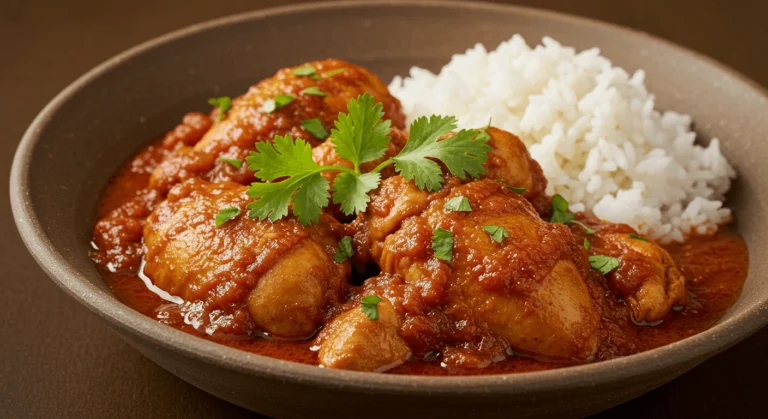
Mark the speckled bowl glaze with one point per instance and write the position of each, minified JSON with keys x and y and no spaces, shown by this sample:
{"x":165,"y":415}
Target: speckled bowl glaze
{"x":80,"y":138}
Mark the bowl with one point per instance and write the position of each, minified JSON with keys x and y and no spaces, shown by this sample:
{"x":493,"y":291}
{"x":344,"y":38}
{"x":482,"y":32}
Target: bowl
{"x":79,"y":139}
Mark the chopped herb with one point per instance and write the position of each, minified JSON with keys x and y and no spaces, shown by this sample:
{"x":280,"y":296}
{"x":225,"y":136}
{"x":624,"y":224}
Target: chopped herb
{"x":369,"y":305}
{"x":313,"y":91}
{"x":586,"y":244}
{"x":482,"y":134}
{"x":270,"y":105}
{"x":560,"y":213}
{"x":224,"y":103}
{"x":458,"y":203}
{"x":234,"y":162}
{"x":332,"y":73}
{"x":315,"y":127}
{"x":518,"y":190}
{"x":442,"y":244}
{"x":498,"y":234}
{"x":636,"y":237}
{"x":306,"y":70}
{"x":604,"y":264}
{"x":582,"y":225}
{"x":344,"y":250}
{"x":226,"y":214}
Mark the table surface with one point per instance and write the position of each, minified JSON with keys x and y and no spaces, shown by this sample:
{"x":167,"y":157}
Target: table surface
{"x":58,"y":360}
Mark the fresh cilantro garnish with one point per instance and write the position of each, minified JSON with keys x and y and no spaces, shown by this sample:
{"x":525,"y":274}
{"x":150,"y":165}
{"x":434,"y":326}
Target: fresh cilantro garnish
{"x":560,"y":214}
{"x":442,"y":244}
{"x":270,"y":105}
{"x":361,"y":135}
{"x":498,"y":234}
{"x":307,"y":70}
{"x":517,"y":190}
{"x":313,"y":91}
{"x":582,"y":225}
{"x":458,"y":203}
{"x":332,"y":73}
{"x":461,"y":153}
{"x":369,"y":306}
{"x":482,"y":134}
{"x":224,"y":103}
{"x":315,"y":127}
{"x":234,"y":162}
{"x":226,"y":214}
{"x":604,"y":264}
{"x":344,"y":250}
{"x":636,"y":237}
{"x":586,"y":244}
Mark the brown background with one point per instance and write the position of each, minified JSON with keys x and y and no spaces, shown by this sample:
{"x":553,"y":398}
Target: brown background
{"x":59,"y":360}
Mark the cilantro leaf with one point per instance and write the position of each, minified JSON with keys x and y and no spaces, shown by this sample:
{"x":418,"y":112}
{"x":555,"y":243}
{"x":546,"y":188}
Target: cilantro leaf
{"x":315,"y":127}
{"x":369,"y":306}
{"x":458,"y":203}
{"x":224,"y":103}
{"x":498,"y":234}
{"x":304,"y":186}
{"x":226,"y":214}
{"x":270,"y":105}
{"x":313,"y":91}
{"x":604,"y":264}
{"x":360,"y":135}
{"x":233,"y":162}
{"x":442,"y":244}
{"x":560,"y":213}
{"x":586,"y":244}
{"x":461,"y":153}
{"x":352,"y":191}
{"x":344,"y":250}
{"x":636,"y":237}
{"x":517,"y":190}
{"x":305,"y":70}
{"x":582,"y":225}
{"x":334,"y":72}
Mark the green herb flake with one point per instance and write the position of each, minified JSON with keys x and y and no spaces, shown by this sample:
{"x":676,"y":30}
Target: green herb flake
{"x":560,"y":213}
{"x":233,"y":162}
{"x":517,"y":190}
{"x":604,"y":264}
{"x":458,"y":203}
{"x":370,"y":306}
{"x":636,"y":237}
{"x":270,"y":105}
{"x":582,"y":225}
{"x":305,"y":71}
{"x":223,"y":103}
{"x":344,"y":250}
{"x":313,"y":91}
{"x":332,"y":73}
{"x":226,"y":214}
{"x":315,"y":127}
{"x":442,"y":244}
{"x":586,"y":244}
{"x":498,"y":234}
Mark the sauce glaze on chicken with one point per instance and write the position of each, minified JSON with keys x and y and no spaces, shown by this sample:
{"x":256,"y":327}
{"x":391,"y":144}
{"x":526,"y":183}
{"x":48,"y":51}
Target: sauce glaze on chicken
{"x":528,"y":303}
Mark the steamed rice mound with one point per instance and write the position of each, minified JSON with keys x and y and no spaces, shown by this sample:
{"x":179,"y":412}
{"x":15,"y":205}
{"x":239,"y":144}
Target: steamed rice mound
{"x":591,"y":126}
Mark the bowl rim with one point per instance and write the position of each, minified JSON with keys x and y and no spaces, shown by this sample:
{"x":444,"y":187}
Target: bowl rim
{"x":687,"y":351}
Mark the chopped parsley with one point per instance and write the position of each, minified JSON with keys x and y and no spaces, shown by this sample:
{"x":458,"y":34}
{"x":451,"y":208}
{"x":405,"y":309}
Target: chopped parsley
{"x":604,"y":264}
{"x":442,"y":244}
{"x":458,"y":203}
{"x":315,"y":127}
{"x":332,"y":73}
{"x":361,"y":135}
{"x":586,"y":244}
{"x":582,"y":225}
{"x":344,"y":250}
{"x":313,"y":91}
{"x":370,"y":306}
{"x":498,"y":234}
{"x":226,"y":214}
{"x":518,"y":190}
{"x":233,"y":162}
{"x":560,"y":214}
{"x":270,"y":105}
{"x":223,"y":103}
{"x":636,"y":237}
{"x":305,"y":71}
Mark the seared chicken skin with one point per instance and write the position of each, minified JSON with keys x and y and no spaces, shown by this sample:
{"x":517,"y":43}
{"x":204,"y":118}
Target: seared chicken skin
{"x":281,"y":274}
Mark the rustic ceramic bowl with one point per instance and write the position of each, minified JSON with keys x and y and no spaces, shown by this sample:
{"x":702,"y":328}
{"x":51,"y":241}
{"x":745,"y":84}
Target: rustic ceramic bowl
{"x":80,"y":138}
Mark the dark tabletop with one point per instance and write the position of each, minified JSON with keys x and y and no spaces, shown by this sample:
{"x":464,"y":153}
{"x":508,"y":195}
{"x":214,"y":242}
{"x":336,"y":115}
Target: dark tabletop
{"x":58,"y":360}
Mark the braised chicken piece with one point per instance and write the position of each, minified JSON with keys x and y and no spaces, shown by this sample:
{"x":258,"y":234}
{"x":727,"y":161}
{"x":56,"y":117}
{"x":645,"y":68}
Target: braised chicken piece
{"x":527,"y":292}
{"x":252,"y":119}
{"x":280,"y":275}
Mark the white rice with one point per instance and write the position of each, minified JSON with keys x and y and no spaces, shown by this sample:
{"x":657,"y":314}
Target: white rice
{"x":591,"y":126}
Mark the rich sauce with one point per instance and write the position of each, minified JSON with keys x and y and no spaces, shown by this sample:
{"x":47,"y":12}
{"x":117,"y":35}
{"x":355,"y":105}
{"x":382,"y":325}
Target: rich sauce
{"x":715,"y":268}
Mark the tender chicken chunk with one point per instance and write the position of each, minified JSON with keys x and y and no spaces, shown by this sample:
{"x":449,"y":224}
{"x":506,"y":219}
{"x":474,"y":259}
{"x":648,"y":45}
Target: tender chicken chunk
{"x":281,"y":273}
{"x":646,"y":279}
{"x":248,"y":122}
{"x":529,"y":289}
{"x":352,"y":341}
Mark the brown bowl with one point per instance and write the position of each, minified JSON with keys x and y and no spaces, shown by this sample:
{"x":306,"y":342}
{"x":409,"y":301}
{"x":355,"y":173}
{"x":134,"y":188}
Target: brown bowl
{"x":80,"y":138}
